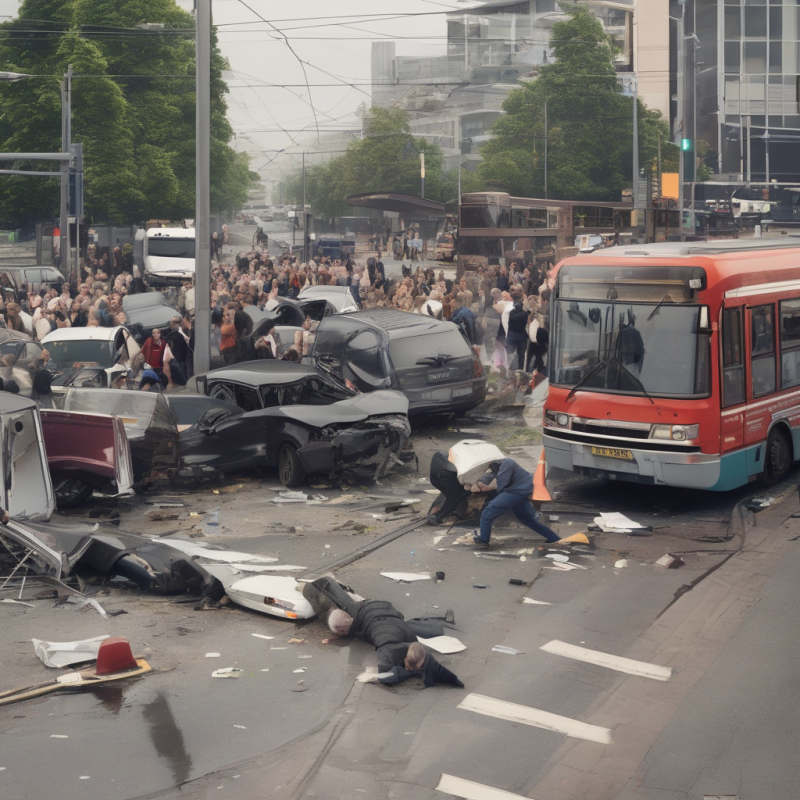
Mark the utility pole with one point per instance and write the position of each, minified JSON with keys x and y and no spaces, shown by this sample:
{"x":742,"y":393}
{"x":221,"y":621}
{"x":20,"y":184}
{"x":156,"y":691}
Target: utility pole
{"x":545,"y":149}
{"x":66,"y":135}
{"x":305,"y":220}
{"x":202,"y":280}
{"x":659,"y":164}
{"x":636,"y":197}
{"x":681,"y":109}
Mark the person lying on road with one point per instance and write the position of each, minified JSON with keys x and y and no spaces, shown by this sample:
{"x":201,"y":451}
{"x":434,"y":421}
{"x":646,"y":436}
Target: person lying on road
{"x":380,"y":624}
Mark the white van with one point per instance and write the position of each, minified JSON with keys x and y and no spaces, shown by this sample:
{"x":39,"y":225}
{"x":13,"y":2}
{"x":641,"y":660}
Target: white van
{"x":167,"y":254}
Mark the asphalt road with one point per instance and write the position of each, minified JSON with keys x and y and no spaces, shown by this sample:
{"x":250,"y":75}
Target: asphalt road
{"x":255,"y":737}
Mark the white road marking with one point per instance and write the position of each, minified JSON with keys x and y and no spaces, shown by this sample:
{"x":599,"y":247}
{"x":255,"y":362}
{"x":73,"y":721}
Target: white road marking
{"x":513,"y":712}
{"x":533,"y":602}
{"x":472,"y":791}
{"x":640,"y":668}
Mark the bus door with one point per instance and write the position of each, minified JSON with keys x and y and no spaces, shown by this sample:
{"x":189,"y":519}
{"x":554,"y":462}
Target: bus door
{"x":763,"y":372}
{"x":733,"y":380}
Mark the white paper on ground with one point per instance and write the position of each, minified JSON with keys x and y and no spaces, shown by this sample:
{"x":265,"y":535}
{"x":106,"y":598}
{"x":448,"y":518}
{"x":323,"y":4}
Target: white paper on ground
{"x":407,"y":577}
{"x":261,"y":636}
{"x":227,"y":672}
{"x":616,"y":521}
{"x":62,"y":654}
{"x":443,"y":644}
{"x":533,"y":602}
{"x":562,"y":567}
{"x":509,"y":651}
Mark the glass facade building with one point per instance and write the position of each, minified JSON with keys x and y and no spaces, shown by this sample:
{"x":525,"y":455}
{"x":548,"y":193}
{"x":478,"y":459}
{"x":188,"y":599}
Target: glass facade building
{"x":739,"y":64}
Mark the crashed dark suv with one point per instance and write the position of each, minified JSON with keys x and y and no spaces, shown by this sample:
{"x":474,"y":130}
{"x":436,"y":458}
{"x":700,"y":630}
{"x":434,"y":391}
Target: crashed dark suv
{"x":428,"y":360}
{"x":299,"y":419}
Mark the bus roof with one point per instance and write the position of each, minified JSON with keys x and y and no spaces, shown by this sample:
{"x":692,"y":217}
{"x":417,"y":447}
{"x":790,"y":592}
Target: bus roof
{"x":747,"y":265}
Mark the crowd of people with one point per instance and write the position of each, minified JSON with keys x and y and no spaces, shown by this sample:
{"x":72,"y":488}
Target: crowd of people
{"x":501,"y":310}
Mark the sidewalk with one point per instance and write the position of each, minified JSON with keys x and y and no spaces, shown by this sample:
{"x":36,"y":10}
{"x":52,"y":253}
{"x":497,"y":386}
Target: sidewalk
{"x":669,"y":737}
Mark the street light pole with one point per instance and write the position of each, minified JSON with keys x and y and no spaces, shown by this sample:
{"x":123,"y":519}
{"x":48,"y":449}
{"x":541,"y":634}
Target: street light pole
{"x":202,"y":347}
{"x":305,"y":220}
{"x":66,"y":135}
{"x":545,"y":149}
{"x":636,"y":149}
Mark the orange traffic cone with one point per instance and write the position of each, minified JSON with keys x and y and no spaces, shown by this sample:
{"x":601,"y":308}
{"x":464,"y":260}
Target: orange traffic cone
{"x":540,"y":493}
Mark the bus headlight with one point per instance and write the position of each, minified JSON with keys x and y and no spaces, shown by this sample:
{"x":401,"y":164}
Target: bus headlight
{"x":558,"y":419}
{"x":562,"y":420}
{"x":677,"y":433}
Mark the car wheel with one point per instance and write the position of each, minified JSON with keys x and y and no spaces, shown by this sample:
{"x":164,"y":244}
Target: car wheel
{"x":290,"y":470}
{"x":778,"y":458}
{"x":71,"y":493}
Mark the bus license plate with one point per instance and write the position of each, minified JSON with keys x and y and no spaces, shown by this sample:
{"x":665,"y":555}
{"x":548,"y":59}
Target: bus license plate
{"x":612,"y":452}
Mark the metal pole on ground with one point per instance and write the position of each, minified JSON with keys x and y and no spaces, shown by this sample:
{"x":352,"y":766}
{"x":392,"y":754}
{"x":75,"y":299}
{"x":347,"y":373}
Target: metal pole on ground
{"x":202,"y":347}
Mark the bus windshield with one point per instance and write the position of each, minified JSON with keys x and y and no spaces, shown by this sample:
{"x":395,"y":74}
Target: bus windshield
{"x":630,"y":348}
{"x":171,"y":248}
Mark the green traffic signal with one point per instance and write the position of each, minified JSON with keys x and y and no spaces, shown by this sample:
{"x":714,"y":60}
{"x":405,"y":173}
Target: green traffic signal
{"x":686,"y":144}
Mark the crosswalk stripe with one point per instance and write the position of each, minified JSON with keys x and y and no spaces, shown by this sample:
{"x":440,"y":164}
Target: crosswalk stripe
{"x":513,"y":712}
{"x":472,"y":791}
{"x":640,"y":668}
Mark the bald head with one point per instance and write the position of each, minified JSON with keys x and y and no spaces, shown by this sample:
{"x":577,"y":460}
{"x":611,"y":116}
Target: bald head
{"x":340,"y":622}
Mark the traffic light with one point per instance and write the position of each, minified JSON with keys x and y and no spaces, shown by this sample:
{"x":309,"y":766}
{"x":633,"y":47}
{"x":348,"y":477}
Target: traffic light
{"x":689,"y":162}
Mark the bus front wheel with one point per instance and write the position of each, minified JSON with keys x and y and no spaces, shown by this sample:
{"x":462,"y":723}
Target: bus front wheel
{"x":778,"y":457}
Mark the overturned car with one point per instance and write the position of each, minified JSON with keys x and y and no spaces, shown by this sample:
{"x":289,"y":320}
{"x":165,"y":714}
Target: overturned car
{"x":299,"y":419}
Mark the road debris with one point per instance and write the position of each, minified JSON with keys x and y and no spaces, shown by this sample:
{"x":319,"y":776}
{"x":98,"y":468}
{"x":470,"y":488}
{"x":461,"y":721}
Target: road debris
{"x":509,"y":651}
{"x":213,"y":655}
{"x":621,"y":564}
{"x":227,"y":672}
{"x":299,"y":687}
{"x":670,"y":561}
{"x":261,"y":636}
{"x":115,"y":662}
{"x":614,"y":522}
{"x":64,"y":654}
{"x":407,"y":577}
{"x":531,"y":601}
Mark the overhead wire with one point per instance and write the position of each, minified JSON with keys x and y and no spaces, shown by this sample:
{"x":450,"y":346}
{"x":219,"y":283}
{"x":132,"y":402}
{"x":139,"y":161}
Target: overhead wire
{"x":292,"y":51}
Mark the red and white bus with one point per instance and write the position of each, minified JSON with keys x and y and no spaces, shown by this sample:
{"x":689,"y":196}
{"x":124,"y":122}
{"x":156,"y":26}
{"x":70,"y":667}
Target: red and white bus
{"x":677,"y":364}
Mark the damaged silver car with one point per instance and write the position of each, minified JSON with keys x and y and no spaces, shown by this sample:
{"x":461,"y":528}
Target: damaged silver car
{"x":298,"y":419}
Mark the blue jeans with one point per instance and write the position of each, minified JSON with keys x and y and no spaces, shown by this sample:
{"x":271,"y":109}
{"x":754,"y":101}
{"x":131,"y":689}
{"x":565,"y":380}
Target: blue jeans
{"x":523,"y":511}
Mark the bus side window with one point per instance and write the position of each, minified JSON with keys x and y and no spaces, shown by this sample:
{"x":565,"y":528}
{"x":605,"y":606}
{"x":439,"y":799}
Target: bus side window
{"x":762,"y":334}
{"x":790,"y":343}
{"x":732,"y":358}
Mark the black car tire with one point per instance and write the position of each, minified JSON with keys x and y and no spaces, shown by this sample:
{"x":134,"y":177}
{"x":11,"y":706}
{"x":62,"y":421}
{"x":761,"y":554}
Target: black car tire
{"x":290,"y":470}
{"x":71,"y":493}
{"x":778,"y":457}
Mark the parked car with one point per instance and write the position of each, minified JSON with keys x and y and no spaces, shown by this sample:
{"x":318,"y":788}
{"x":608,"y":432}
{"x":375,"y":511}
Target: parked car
{"x":148,"y":309}
{"x":18,"y":278}
{"x":339,"y":297}
{"x":90,"y":357}
{"x":428,"y":360}
{"x":296,"y":418}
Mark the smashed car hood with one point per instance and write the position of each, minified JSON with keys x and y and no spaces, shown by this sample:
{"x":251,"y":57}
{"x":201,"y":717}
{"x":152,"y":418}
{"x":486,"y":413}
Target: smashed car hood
{"x":354,"y":409}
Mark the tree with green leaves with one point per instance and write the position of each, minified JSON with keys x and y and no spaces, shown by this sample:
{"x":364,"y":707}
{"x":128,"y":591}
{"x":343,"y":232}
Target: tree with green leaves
{"x":589,"y":123}
{"x":385,"y":159}
{"x":133,"y":108}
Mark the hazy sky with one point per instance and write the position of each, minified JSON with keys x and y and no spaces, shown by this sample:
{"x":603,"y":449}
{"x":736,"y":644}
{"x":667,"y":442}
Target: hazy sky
{"x":336,"y":48}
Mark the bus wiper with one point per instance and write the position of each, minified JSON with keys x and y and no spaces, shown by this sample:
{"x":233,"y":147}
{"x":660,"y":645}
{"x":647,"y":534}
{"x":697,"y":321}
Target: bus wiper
{"x":591,"y":373}
{"x":638,"y":383}
{"x":653,"y":312}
